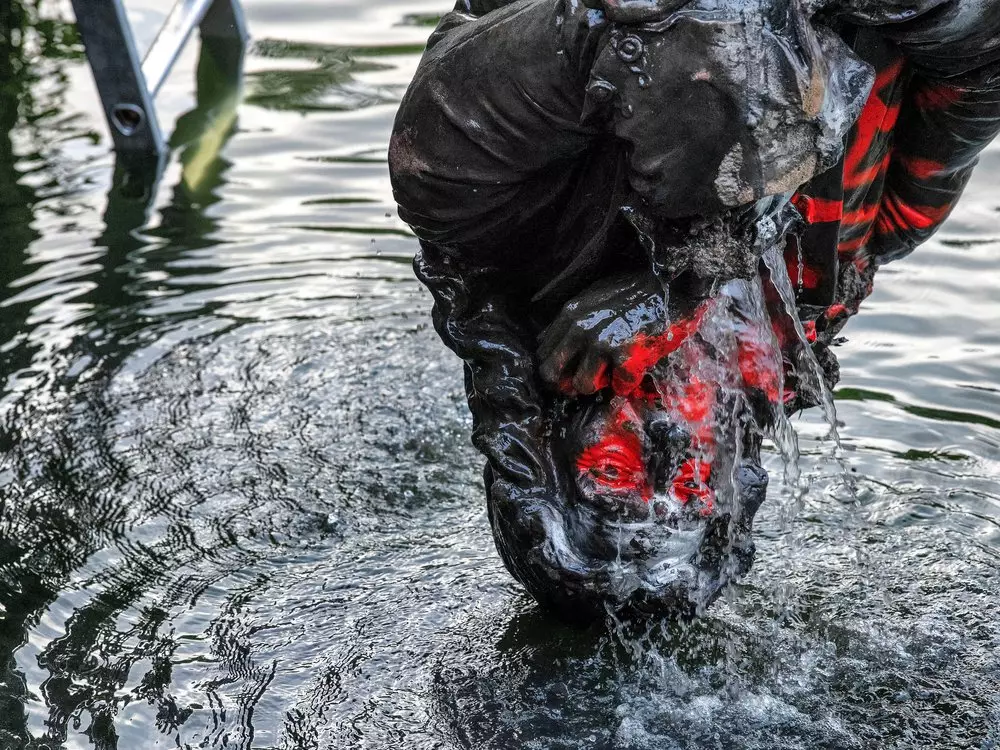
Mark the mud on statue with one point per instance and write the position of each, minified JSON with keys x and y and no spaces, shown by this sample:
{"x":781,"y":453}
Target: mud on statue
{"x":612,"y":197}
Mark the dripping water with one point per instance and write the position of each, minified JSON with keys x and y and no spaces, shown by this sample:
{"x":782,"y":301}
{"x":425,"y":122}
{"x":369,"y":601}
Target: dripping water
{"x":779,"y":275}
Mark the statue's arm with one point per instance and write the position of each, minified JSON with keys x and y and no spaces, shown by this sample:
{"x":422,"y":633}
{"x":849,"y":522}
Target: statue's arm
{"x":950,"y":114}
{"x":944,"y":126}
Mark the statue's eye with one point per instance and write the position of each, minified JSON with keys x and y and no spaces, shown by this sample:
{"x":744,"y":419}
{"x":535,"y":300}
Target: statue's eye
{"x":616,"y":464}
{"x":605,"y":471}
{"x":690,"y":485}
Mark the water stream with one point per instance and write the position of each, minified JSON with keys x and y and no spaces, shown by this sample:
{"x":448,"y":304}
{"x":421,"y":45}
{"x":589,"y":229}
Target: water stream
{"x":238,"y":504}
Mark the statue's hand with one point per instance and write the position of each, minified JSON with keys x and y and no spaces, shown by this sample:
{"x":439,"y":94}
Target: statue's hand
{"x":636,"y":11}
{"x":610,"y":335}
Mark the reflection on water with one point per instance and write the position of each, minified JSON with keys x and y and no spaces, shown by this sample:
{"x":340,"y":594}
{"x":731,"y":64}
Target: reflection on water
{"x":329,"y":83}
{"x":238,"y":504}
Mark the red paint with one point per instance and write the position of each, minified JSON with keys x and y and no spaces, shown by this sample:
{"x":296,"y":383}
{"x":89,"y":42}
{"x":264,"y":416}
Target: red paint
{"x":850,"y":247}
{"x":810,"y":329}
{"x":759,"y":368}
{"x":818,"y":210}
{"x":863,"y":215}
{"x":901,"y":216}
{"x":602,"y":379}
{"x":868,"y":175}
{"x":691,"y":484}
{"x":937,"y":96}
{"x":884,"y":224}
{"x":877,"y":118}
{"x":646,"y":351}
{"x":834,"y":311}
{"x":616,"y":464}
{"x":696,"y":402}
{"x":810,"y":276}
{"x":919,"y":168}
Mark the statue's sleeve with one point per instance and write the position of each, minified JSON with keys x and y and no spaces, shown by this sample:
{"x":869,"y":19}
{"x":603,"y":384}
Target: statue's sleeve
{"x":944,"y":126}
{"x":941,"y":38}
{"x":950,"y":113}
{"x":491,"y":117}
{"x":708,"y":112}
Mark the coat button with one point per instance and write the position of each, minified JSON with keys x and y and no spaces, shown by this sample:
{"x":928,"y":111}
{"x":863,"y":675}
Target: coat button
{"x":630,"y":49}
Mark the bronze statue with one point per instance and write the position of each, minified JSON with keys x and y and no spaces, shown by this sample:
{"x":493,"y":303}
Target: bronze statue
{"x":597,"y":185}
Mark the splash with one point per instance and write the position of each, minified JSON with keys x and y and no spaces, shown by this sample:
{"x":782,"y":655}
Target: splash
{"x":668,"y":467}
{"x":809,"y":371}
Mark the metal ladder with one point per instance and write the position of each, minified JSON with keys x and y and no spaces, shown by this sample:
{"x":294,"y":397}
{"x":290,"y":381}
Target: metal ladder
{"x":128,"y":87}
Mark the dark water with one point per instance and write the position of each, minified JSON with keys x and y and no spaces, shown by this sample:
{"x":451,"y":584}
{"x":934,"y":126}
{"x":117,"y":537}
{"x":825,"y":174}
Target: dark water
{"x":239,"y":507}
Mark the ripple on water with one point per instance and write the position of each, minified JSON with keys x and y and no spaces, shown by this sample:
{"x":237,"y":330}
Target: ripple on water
{"x":239,"y":507}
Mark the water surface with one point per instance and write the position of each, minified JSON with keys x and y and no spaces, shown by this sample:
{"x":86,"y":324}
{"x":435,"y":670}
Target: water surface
{"x":240,"y":509}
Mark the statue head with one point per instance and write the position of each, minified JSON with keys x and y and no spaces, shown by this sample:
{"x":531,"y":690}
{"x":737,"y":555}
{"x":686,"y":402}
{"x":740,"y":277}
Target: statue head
{"x":658,"y":487}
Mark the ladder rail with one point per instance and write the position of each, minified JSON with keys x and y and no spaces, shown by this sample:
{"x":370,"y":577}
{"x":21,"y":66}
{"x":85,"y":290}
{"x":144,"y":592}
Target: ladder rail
{"x":128,"y":86}
{"x":171,"y":40}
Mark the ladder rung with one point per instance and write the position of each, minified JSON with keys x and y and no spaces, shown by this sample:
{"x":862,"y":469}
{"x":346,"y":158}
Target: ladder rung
{"x":170,"y":41}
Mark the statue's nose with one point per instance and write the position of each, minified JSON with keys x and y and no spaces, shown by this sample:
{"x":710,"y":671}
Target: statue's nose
{"x":669,"y":442}
{"x":727,"y":546}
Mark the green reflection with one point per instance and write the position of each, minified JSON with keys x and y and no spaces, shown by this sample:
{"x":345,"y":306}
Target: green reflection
{"x":918,"y":455}
{"x":331,"y":85}
{"x":33,"y":51}
{"x":421,"y":19}
{"x":56,"y":511}
{"x":341,"y":229}
{"x":926,"y":412}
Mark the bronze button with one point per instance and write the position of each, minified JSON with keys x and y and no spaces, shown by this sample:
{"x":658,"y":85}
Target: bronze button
{"x":630,"y":49}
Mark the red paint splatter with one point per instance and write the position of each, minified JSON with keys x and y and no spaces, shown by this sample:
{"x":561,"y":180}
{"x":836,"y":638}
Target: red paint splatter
{"x":920,"y":168}
{"x":759,"y":368}
{"x":616,"y":464}
{"x":818,"y":210}
{"x":646,"y":351}
{"x":835,"y":311}
{"x":897,"y":215}
{"x":849,"y":247}
{"x":602,"y":379}
{"x":863,"y":215}
{"x":690,"y":484}
{"x":810,"y":276}
{"x":697,"y":401}
{"x":810,"y":329}
{"x":877,"y":118}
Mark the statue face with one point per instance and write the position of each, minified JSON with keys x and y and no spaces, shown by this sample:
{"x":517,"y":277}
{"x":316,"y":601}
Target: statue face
{"x":638,"y":459}
{"x":658,"y":519}
{"x":662,"y":483}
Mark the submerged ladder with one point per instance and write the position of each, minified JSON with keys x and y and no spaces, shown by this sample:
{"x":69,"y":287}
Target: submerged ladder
{"x":128,"y":86}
